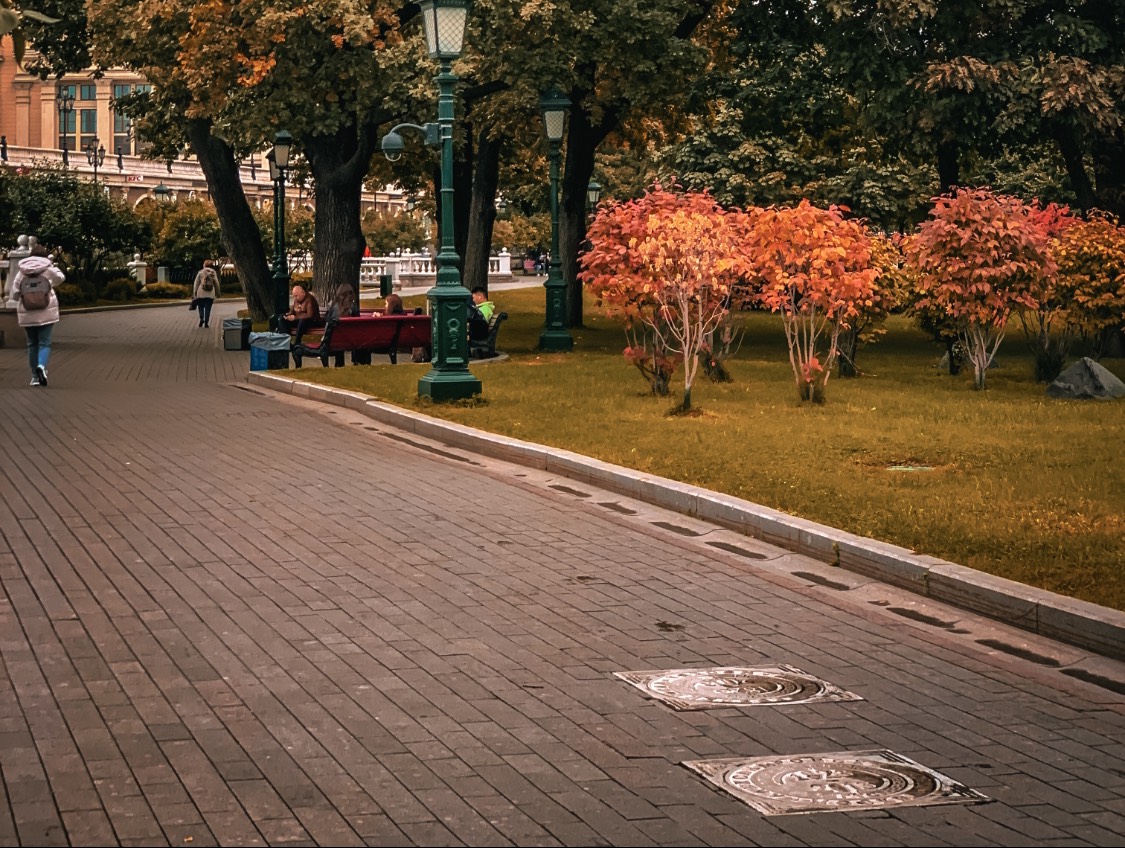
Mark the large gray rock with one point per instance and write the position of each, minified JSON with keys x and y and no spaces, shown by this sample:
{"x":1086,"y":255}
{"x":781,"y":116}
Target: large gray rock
{"x":1086,"y":379}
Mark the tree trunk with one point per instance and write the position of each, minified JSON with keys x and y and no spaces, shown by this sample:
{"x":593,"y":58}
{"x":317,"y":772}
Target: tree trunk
{"x":948,"y":165}
{"x":463,"y":169}
{"x":1109,"y":172}
{"x":241,"y":237}
{"x":338,"y":163}
{"x":849,"y":345}
{"x":1066,"y":136}
{"x":582,"y":141}
{"x":482,"y":212}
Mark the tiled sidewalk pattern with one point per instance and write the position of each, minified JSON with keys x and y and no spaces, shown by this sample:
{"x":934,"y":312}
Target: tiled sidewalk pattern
{"x":204,"y":640}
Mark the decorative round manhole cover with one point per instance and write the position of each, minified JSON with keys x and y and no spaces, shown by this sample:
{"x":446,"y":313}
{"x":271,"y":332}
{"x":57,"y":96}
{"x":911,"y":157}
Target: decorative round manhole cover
{"x":734,"y":686}
{"x":838,"y":781}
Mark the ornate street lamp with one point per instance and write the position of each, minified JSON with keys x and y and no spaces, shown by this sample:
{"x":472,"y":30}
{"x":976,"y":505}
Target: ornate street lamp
{"x":449,"y":377}
{"x":278,"y":159}
{"x":553,"y":106}
{"x":95,"y":155}
{"x":163,"y":193}
{"x":66,"y":107}
{"x":593,"y":195}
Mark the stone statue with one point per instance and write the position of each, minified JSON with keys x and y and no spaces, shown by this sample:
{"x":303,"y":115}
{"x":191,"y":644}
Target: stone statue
{"x":21,"y":251}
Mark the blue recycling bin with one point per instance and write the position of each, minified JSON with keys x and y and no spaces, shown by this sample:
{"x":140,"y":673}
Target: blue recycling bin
{"x":269,"y":351}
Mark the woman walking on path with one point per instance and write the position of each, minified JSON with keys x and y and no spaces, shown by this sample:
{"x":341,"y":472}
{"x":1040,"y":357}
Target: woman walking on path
{"x":37,"y":307}
{"x":205,"y":290}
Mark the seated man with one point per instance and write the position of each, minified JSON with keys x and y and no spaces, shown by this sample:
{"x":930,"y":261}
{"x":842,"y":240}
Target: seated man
{"x":303,"y":315}
{"x":480,"y":313}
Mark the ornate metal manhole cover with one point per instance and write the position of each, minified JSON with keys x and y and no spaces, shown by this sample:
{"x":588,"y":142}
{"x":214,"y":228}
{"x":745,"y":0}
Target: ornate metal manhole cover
{"x":734,"y":686}
{"x":833,"y":782}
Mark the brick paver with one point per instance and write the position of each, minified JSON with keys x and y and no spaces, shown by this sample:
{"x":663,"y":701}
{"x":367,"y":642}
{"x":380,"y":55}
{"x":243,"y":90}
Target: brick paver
{"x":200,"y":643}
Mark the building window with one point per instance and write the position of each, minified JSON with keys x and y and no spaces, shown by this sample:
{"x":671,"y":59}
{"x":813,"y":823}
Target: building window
{"x":122,"y":124}
{"x":88,"y":124}
{"x":87,"y":92}
{"x":67,"y":123}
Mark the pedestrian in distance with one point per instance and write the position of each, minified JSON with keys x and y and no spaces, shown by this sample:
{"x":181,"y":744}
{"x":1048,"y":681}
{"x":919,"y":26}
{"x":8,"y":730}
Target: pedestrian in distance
{"x":37,"y":307}
{"x":204,"y":292}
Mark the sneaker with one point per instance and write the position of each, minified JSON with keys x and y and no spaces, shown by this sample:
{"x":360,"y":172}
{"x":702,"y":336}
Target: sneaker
{"x":42,"y":372}
{"x":35,"y":381}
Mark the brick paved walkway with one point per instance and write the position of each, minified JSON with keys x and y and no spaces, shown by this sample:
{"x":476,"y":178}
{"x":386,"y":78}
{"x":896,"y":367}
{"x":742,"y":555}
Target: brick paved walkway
{"x":201,"y":643}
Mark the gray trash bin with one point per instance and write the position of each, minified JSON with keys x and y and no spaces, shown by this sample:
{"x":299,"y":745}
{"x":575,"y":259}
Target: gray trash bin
{"x":232,"y":334}
{"x":269,"y":351}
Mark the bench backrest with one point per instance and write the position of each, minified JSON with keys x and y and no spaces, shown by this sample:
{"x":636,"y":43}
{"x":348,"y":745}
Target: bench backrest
{"x":377,"y":333}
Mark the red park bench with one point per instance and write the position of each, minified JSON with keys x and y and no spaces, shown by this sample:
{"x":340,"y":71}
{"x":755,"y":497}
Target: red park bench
{"x":368,"y":334}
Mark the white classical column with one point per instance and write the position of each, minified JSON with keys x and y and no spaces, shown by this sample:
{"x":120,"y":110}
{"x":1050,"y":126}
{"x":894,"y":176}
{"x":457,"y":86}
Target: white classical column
{"x":505,"y":263}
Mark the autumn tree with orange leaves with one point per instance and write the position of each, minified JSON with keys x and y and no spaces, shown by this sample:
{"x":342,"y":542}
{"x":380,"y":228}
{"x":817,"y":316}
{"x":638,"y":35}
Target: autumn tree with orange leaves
{"x":669,"y":262}
{"x":815,"y":269}
{"x":979,"y":257}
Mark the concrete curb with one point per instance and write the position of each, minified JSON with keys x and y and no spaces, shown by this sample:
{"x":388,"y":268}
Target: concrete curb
{"x":1079,"y":623}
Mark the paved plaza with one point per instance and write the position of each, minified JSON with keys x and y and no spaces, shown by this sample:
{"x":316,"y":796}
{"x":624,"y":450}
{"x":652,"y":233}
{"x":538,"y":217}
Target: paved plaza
{"x":234,"y":616}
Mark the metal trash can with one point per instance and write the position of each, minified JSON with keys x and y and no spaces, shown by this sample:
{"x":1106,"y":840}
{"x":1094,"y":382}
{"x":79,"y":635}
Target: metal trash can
{"x":236,"y":333}
{"x":269,"y":351}
{"x":386,"y":284}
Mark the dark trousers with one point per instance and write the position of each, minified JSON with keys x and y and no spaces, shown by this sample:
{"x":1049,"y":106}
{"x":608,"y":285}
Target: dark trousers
{"x":298,"y":327}
{"x":204,"y":305}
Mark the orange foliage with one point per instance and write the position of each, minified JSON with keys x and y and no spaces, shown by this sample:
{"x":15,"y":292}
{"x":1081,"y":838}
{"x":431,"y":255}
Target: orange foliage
{"x":980,"y":256}
{"x":815,"y":269}
{"x":670,"y":261}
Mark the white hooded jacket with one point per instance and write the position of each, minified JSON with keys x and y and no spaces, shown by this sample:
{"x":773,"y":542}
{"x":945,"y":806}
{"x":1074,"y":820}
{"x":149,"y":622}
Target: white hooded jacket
{"x":37,"y":317}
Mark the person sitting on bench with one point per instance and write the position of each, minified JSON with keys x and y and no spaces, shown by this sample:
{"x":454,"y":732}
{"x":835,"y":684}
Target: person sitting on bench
{"x":393,"y":305}
{"x":480,"y":311}
{"x":303,"y":315}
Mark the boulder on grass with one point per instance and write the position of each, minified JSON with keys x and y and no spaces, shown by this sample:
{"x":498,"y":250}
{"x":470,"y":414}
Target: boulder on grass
{"x":1086,"y":379}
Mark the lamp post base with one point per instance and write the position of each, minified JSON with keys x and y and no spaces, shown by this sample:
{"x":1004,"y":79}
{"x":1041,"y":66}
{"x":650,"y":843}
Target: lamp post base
{"x":440,"y":387}
{"x":555,"y":340}
{"x":449,"y":378}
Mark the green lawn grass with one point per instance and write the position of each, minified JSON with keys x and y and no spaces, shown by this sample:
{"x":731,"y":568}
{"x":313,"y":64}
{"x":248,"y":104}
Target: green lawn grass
{"x":1022,"y":486}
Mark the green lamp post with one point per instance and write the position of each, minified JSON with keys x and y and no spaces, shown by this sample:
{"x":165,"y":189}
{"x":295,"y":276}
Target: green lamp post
{"x":553,"y":106}
{"x":278,"y":159}
{"x":66,"y":112}
{"x":449,"y":377}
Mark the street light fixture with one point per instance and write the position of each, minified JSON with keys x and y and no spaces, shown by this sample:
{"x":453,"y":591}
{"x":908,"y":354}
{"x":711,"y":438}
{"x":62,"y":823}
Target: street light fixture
{"x":95,"y":155}
{"x":553,"y":106}
{"x":66,"y":107}
{"x":163,"y":193}
{"x":278,"y":159}
{"x":593,"y":195}
{"x":449,"y":377}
